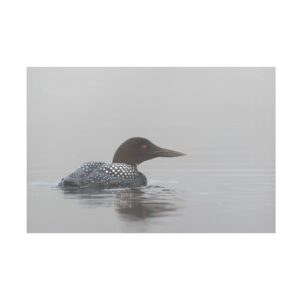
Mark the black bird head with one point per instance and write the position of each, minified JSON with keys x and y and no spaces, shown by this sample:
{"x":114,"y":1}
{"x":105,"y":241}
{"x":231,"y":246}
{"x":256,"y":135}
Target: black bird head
{"x":136,"y":150}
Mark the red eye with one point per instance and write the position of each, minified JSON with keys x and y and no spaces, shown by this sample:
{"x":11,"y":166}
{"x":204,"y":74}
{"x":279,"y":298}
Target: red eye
{"x":144,"y":146}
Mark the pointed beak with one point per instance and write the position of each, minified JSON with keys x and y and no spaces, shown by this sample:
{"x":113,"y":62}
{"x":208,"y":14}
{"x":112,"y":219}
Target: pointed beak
{"x":161,"y":152}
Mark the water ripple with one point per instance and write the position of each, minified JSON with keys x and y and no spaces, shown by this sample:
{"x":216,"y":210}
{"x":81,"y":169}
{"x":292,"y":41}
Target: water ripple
{"x":131,"y":204}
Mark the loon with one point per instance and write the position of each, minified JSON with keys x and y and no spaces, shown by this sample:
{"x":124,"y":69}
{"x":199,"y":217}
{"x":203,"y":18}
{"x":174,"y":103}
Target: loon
{"x":122,"y":172}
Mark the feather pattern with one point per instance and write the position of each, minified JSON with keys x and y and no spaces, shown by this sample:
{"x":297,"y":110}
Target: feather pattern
{"x":104,"y":175}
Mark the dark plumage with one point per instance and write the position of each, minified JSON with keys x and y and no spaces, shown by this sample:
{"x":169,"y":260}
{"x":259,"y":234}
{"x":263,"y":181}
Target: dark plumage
{"x":123,"y":170}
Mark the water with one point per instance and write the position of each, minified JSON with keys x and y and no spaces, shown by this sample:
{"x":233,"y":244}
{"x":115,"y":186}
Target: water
{"x":223,"y":118}
{"x":193,"y":201}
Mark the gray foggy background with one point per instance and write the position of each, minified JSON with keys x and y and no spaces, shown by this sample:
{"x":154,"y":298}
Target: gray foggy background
{"x":223,"y":118}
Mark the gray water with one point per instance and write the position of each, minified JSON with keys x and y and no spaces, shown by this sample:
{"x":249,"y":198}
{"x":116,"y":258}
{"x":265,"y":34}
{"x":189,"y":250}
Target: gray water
{"x":223,"y":118}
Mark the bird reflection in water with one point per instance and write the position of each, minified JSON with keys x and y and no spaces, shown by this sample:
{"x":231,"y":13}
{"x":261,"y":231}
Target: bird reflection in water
{"x":132,"y":204}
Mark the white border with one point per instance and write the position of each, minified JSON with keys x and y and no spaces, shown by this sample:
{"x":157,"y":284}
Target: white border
{"x":156,"y":33}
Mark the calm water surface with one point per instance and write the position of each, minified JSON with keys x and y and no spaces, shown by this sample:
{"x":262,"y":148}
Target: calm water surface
{"x":222,"y":118}
{"x":193,"y":201}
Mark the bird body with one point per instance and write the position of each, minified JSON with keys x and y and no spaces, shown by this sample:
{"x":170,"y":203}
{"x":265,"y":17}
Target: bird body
{"x":103,"y":175}
{"x":122,"y":172}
